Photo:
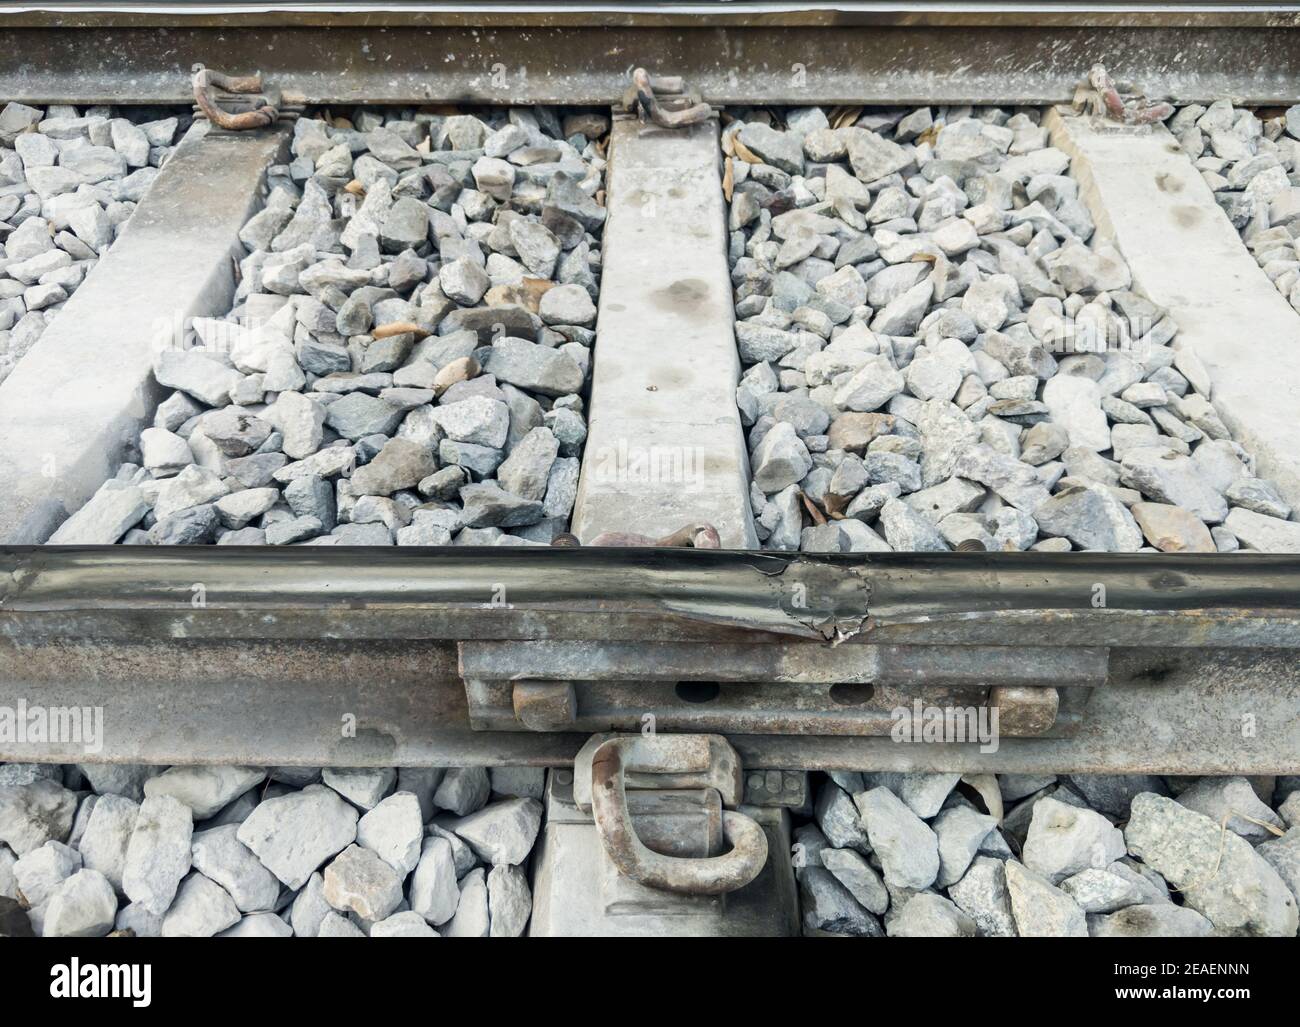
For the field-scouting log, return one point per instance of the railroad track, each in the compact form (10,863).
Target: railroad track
(781,416)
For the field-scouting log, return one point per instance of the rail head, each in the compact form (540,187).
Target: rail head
(458,593)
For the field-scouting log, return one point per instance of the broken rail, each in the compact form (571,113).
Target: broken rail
(1097,663)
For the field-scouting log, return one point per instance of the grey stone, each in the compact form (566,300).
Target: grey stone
(983,896)
(870,387)
(357,415)
(1104,890)
(1114,793)
(108,834)
(502,832)
(1283,854)
(1090,517)
(434,893)
(856,874)
(294,834)
(394,830)
(478,420)
(361,786)
(204,789)
(359,880)
(782,150)
(518,782)
(509,901)
(781,459)
(472,919)
(567,305)
(931,916)
(258,925)
(960,831)
(164,453)
(908,531)
(1232,801)
(1063,840)
(194,486)
(196,373)
(530,366)
(201,910)
(39,873)
(84,906)
(1218,873)
(113,510)
(401,464)
(907,848)
(301,422)
(463,790)
(158,854)
(125,779)
(1262,533)
(1161,920)
(487,505)
(139,921)
(1169,477)
(839,819)
(826,906)
(406,924)
(925,793)
(218,854)
(309,908)
(873,157)
(1040,909)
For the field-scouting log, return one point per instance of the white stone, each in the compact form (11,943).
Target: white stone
(394,830)
(204,789)
(202,909)
(158,854)
(220,855)
(84,906)
(502,832)
(294,834)
(358,880)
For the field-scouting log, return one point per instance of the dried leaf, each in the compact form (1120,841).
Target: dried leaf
(744,153)
(400,328)
(841,117)
(818,517)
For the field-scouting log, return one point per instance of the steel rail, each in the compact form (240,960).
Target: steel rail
(496,13)
(260,655)
(453,594)
(801,53)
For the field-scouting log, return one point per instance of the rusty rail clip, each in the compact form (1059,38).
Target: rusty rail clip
(206,82)
(714,875)
(1101,96)
(653,98)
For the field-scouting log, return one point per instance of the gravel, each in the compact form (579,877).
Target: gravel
(1079,855)
(1253,168)
(285,854)
(408,353)
(921,307)
(70,180)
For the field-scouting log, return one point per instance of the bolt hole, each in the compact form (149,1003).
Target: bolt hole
(697,691)
(852,694)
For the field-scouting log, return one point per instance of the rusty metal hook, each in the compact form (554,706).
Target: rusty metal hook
(650,107)
(1102,96)
(691,536)
(205,80)
(714,875)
